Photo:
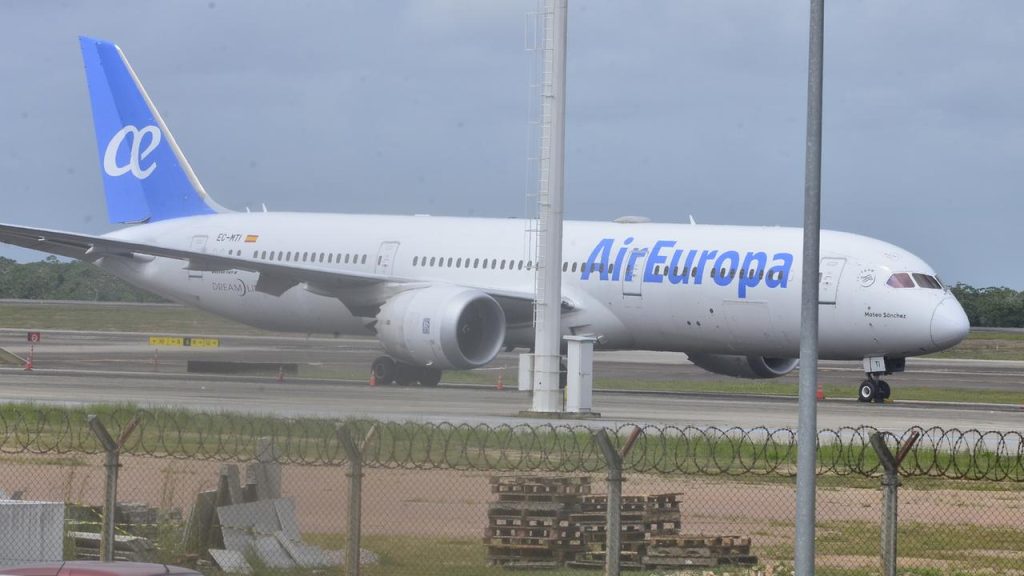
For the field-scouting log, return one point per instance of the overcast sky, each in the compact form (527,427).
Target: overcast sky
(675,108)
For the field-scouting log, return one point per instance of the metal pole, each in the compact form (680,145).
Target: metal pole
(890,497)
(613,525)
(548,312)
(354,453)
(112,464)
(807,433)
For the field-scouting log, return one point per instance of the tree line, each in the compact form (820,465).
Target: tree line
(993,307)
(51,279)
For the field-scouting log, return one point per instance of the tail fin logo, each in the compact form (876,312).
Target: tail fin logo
(136,155)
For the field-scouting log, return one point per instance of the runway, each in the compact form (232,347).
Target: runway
(89,367)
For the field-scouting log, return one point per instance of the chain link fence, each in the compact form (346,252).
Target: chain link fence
(271,496)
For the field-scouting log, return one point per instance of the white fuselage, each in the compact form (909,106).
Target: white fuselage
(614,276)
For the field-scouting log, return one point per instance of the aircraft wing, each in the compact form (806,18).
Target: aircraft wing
(363,293)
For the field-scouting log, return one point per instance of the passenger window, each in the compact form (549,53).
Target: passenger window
(900,280)
(476,263)
(926,281)
(458,263)
(565,266)
(494,263)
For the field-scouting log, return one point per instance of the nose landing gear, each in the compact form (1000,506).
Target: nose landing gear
(873,388)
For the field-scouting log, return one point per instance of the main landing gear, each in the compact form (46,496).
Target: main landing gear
(873,388)
(387,371)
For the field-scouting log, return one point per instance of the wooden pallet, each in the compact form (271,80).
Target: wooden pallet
(698,550)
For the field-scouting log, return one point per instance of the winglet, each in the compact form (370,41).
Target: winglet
(145,174)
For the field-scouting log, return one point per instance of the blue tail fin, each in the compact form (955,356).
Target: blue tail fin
(145,175)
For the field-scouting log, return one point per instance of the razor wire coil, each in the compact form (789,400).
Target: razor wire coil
(660,449)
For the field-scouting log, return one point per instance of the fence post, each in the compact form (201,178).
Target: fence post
(613,526)
(890,496)
(112,464)
(354,453)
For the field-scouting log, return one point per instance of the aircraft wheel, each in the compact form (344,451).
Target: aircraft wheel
(867,391)
(883,391)
(429,376)
(405,374)
(384,370)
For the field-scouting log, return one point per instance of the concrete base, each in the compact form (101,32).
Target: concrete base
(559,415)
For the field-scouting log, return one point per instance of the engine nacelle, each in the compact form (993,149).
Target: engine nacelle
(442,326)
(744,366)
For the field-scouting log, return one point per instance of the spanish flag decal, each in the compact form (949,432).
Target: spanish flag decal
(250,238)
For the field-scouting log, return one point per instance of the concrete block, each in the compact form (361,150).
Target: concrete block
(241,522)
(306,556)
(32,531)
(270,551)
(230,561)
(229,472)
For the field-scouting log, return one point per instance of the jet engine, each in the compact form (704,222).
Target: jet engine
(744,366)
(443,327)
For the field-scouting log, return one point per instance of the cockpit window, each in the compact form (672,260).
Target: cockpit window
(901,280)
(926,281)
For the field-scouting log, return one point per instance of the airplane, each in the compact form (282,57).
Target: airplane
(445,293)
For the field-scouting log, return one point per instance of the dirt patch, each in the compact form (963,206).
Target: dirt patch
(451,505)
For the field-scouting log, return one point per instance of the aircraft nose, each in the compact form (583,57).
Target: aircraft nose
(949,324)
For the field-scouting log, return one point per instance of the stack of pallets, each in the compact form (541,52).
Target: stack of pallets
(543,522)
(698,550)
(642,518)
(528,525)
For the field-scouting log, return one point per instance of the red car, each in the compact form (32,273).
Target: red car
(93,568)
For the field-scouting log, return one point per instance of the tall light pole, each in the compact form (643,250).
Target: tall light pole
(548,307)
(807,432)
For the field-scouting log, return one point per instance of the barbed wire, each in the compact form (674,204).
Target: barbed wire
(660,449)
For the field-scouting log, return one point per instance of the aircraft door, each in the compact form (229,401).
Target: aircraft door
(198,245)
(386,258)
(633,272)
(828,279)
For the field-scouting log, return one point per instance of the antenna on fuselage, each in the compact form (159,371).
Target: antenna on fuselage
(692,221)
